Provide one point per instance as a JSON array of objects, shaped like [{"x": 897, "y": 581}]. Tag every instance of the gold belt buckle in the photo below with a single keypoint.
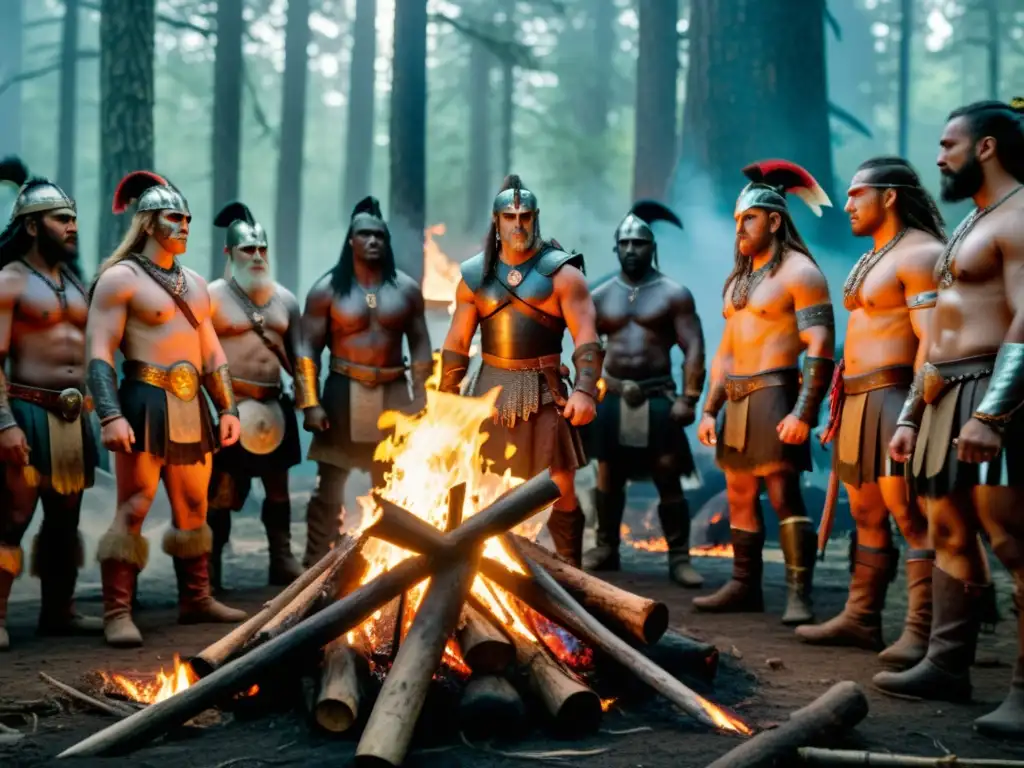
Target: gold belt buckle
[
  {"x": 70, "y": 402},
  {"x": 633, "y": 394},
  {"x": 934, "y": 383},
  {"x": 184, "y": 381}
]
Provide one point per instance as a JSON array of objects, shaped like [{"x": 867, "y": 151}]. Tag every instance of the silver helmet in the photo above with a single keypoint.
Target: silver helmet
[
  {"x": 637, "y": 223},
  {"x": 242, "y": 228},
  {"x": 35, "y": 195},
  {"x": 514, "y": 197},
  {"x": 772, "y": 180},
  {"x": 149, "y": 192}
]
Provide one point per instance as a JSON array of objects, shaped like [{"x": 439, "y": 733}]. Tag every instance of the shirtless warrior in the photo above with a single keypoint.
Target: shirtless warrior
[
  {"x": 158, "y": 424},
  {"x": 638, "y": 432},
  {"x": 259, "y": 324},
  {"x": 776, "y": 306},
  {"x": 962, "y": 420},
  {"x": 47, "y": 450},
  {"x": 889, "y": 294},
  {"x": 362, "y": 309},
  {"x": 522, "y": 292}
]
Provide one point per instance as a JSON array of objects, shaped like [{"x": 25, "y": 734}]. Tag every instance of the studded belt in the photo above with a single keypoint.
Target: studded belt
[
  {"x": 180, "y": 379},
  {"x": 939, "y": 377},
  {"x": 66, "y": 403},
  {"x": 739, "y": 387},
  {"x": 883, "y": 378},
  {"x": 254, "y": 390}
]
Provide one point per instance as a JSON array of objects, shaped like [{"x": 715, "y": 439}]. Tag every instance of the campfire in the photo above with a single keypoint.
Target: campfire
[
  {"x": 441, "y": 275},
  {"x": 441, "y": 584},
  {"x": 648, "y": 538}
]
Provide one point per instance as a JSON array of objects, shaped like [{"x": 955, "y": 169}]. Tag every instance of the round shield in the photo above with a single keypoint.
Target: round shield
[{"x": 262, "y": 425}]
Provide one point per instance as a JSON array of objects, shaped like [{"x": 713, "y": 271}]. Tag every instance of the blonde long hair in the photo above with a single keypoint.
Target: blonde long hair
[{"x": 132, "y": 242}]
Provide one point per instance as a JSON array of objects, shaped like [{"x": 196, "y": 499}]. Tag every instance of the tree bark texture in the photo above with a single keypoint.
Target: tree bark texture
[
  {"x": 288, "y": 218},
  {"x": 995, "y": 33},
  {"x": 507, "y": 106},
  {"x": 127, "y": 29},
  {"x": 408, "y": 130},
  {"x": 11, "y": 42},
  {"x": 479, "y": 185},
  {"x": 68, "y": 98},
  {"x": 755, "y": 90},
  {"x": 359, "y": 134},
  {"x": 903, "y": 82},
  {"x": 657, "y": 67},
  {"x": 227, "y": 118}
]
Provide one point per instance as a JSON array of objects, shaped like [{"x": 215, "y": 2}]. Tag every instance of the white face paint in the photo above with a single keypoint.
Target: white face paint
[
  {"x": 170, "y": 230},
  {"x": 251, "y": 267}
]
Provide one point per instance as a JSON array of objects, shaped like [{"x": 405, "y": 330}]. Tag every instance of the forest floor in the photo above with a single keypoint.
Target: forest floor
[{"x": 645, "y": 734}]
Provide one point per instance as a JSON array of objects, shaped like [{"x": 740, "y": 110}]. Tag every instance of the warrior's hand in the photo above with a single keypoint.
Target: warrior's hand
[
  {"x": 706, "y": 431},
  {"x": 902, "y": 445},
  {"x": 683, "y": 412},
  {"x": 315, "y": 419},
  {"x": 977, "y": 442},
  {"x": 793, "y": 431},
  {"x": 230, "y": 429},
  {"x": 580, "y": 409},
  {"x": 14, "y": 447},
  {"x": 117, "y": 435}
]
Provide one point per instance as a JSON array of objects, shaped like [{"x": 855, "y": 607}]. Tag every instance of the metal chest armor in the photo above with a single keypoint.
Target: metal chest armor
[{"x": 511, "y": 325}]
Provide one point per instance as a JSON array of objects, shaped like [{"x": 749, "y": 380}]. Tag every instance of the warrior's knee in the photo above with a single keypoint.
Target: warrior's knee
[
  {"x": 951, "y": 538},
  {"x": 784, "y": 495},
  {"x": 135, "y": 508}
]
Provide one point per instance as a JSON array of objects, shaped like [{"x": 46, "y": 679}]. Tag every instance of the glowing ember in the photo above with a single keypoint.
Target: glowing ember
[
  {"x": 724, "y": 720},
  {"x": 648, "y": 538},
  {"x": 607, "y": 704},
  {"x": 440, "y": 274},
  {"x": 165, "y": 685}
]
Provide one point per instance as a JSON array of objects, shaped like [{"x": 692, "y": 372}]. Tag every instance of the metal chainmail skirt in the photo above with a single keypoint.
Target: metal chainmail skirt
[{"x": 522, "y": 392}]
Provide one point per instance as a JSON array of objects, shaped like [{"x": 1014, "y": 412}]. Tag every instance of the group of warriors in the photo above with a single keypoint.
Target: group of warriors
[{"x": 923, "y": 406}]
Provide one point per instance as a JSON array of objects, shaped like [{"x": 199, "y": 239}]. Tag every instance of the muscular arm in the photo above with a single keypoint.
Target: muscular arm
[
  {"x": 11, "y": 285},
  {"x": 690, "y": 337},
  {"x": 421, "y": 358},
  {"x": 1011, "y": 247},
  {"x": 810, "y": 292},
  {"x": 577, "y": 305},
  {"x": 299, "y": 354},
  {"x": 104, "y": 331},
  {"x": 316, "y": 319},
  {"x": 721, "y": 366},
  {"x": 215, "y": 363},
  {"x": 455, "y": 352},
  {"x": 917, "y": 273}
]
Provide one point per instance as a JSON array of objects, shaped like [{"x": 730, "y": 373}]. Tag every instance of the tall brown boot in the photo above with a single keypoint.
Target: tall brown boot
[
  {"x": 742, "y": 593},
  {"x": 799, "y": 548},
  {"x": 566, "y": 529},
  {"x": 912, "y": 645},
  {"x": 325, "y": 513},
  {"x": 191, "y": 553},
  {"x": 605, "y": 554},
  {"x": 57, "y": 556},
  {"x": 277, "y": 520},
  {"x": 121, "y": 556},
  {"x": 675, "y": 524},
  {"x": 1007, "y": 722},
  {"x": 945, "y": 672},
  {"x": 860, "y": 623},
  {"x": 10, "y": 569}
]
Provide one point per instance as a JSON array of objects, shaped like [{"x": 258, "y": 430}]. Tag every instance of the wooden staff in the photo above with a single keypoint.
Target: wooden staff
[
  {"x": 491, "y": 708},
  {"x": 639, "y": 617},
  {"x": 484, "y": 647},
  {"x": 833, "y": 758},
  {"x": 841, "y": 707}
]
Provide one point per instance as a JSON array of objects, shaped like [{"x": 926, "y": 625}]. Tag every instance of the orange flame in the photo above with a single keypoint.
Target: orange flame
[
  {"x": 163, "y": 687},
  {"x": 607, "y": 704},
  {"x": 648, "y": 538},
  {"x": 724, "y": 720},
  {"x": 441, "y": 275}
]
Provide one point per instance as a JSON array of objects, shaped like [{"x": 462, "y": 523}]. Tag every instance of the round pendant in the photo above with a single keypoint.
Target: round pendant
[
  {"x": 515, "y": 277},
  {"x": 257, "y": 319},
  {"x": 371, "y": 300}
]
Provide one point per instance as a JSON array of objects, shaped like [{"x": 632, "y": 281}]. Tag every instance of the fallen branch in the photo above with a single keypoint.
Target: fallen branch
[
  {"x": 841, "y": 757},
  {"x": 117, "y": 710},
  {"x": 484, "y": 647}
]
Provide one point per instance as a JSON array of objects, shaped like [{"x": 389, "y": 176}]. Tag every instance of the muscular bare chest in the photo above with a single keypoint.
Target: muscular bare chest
[
  {"x": 386, "y": 309},
  {"x": 40, "y": 308},
  {"x": 976, "y": 259},
  {"x": 620, "y": 307},
  {"x": 769, "y": 301},
  {"x": 882, "y": 289},
  {"x": 231, "y": 318}
]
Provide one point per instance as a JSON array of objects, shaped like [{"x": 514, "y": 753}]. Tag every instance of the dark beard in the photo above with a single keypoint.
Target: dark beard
[
  {"x": 964, "y": 183},
  {"x": 635, "y": 267},
  {"x": 54, "y": 250}
]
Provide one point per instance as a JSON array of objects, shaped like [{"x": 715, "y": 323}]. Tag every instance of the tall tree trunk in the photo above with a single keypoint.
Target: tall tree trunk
[
  {"x": 657, "y": 67},
  {"x": 480, "y": 182},
  {"x": 755, "y": 89},
  {"x": 359, "y": 135},
  {"x": 994, "y": 47},
  {"x": 68, "y": 98},
  {"x": 127, "y": 29},
  {"x": 903, "y": 87},
  {"x": 595, "y": 113},
  {"x": 11, "y": 37},
  {"x": 293, "y": 130},
  {"x": 508, "y": 114},
  {"x": 227, "y": 116},
  {"x": 409, "y": 136}
]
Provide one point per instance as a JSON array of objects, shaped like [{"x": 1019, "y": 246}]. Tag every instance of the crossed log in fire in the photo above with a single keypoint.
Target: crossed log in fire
[{"x": 487, "y": 586}]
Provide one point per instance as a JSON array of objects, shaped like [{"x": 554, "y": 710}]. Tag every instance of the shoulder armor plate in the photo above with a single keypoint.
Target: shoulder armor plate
[
  {"x": 554, "y": 259},
  {"x": 472, "y": 270}
]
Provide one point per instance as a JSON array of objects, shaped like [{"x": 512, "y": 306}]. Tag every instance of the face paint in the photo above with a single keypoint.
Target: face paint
[{"x": 170, "y": 230}]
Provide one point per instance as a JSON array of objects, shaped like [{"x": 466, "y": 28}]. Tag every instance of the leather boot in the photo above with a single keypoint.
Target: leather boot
[
  {"x": 325, "y": 513},
  {"x": 121, "y": 556},
  {"x": 945, "y": 672},
  {"x": 277, "y": 519},
  {"x": 57, "y": 556},
  {"x": 566, "y": 529},
  {"x": 191, "y": 553},
  {"x": 675, "y": 524},
  {"x": 741, "y": 594},
  {"x": 219, "y": 521},
  {"x": 10, "y": 568},
  {"x": 799, "y": 548},
  {"x": 609, "y": 507},
  {"x": 860, "y": 623},
  {"x": 912, "y": 645},
  {"x": 1007, "y": 722}
]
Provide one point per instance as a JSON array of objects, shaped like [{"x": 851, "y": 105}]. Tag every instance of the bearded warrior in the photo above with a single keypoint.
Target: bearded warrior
[
  {"x": 776, "y": 307},
  {"x": 638, "y": 432},
  {"x": 259, "y": 324},
  {"x": 362, "y": 310},
  {"x": 158, "y": 314},
  {"x": 522, "y": 292},
  {"x": 47, "y": 449}
]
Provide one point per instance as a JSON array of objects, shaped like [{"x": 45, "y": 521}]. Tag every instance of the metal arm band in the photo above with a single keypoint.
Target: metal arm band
[
  {"x": 922, "y": 300},
  {"x": 588, "y": 360},
  {"x": 1005, "y": 393},
  {"x": 817, "y": 380},
  {"x": 102, "y": 380},
  {"x": 453, "y": 370},
  {"x": 6, "y": 414},
  {"x": 716, "y": 399},
  {"x": 306, "y": 383},
  {"x": 819, "y": 314},
  {"x": 694, "y": 375},
  {"x": 913, "y": 406},
  {"x": 218, "y": 384}
]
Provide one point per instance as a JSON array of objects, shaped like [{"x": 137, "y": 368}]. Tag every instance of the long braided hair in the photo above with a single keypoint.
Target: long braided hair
[
  {"x": 787, "y": 238},
  {"x": 914, "y": 205}
]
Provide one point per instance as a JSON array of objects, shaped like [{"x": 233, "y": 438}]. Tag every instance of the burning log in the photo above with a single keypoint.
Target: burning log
[
  {"x": 484, "y": 647},
  {"x": 337, "y": 705},
  {"x": 111, "y": 708},
  {"x": 491, "y": 708},
  {"x": 393, "y": 719},
  {"x": 313, "y": 633},
  {"x": 685, "y": 656},
  {"x": 636, "y": 616},
  {"x": 822, "y": 721}
]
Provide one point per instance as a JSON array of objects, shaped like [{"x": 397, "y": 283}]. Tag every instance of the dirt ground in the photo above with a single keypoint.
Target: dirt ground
[{"x": 638, "y": 735}]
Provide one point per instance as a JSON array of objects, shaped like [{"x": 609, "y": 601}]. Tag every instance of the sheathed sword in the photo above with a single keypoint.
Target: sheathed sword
[{"x": 828, "y": 511}]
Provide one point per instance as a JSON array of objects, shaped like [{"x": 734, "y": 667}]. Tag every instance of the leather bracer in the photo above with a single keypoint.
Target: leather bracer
[
  {"x": 913, "y": 406},
  {"x": 453, "y": 370},
  {"x": 1005, "y": 392},
  {"x": 102, "y": 380},
  {"x": 588, "y": 359},
  {"x": 817, "y": 380}
]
